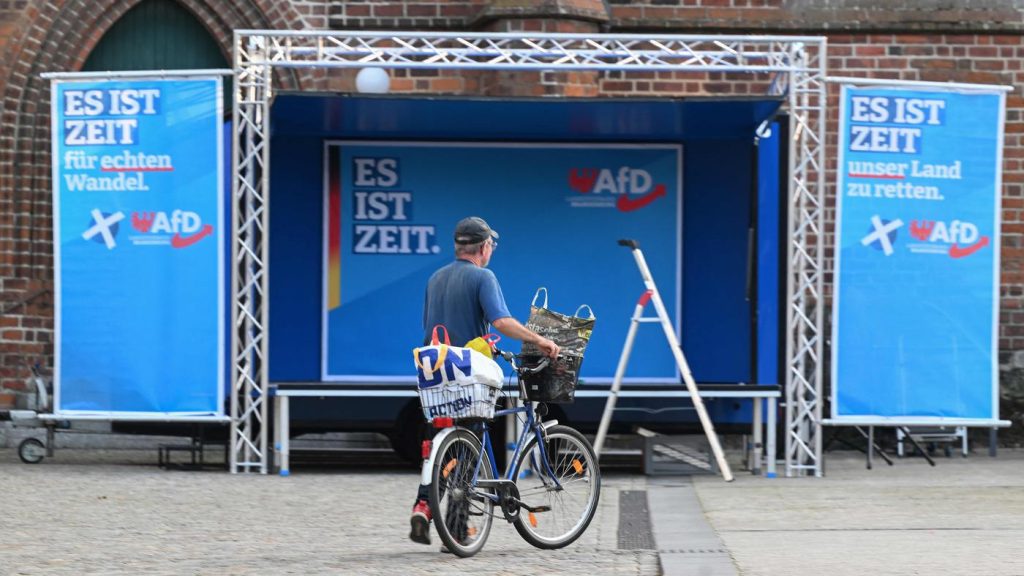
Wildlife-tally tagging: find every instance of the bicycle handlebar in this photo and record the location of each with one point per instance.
(511, 359)
(543, 364)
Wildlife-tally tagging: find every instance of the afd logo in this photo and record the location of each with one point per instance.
(632, 188)
(179, 228)
(431, 372)
(962, 238)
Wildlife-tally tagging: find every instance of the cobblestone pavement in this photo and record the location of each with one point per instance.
(965, 516)
(115, 512)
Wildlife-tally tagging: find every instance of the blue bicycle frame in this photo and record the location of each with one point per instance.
(529, 427)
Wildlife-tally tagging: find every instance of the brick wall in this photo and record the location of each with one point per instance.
(815, 16)
(988, 59)
(390, 15)
(959, 40)
(36, 37)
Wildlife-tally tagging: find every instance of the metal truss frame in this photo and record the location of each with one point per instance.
(795, 64)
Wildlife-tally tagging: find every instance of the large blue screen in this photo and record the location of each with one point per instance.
(560, 209)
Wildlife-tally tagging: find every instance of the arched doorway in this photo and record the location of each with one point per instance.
(158, 35)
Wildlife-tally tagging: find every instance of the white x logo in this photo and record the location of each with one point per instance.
(881, 233)
(102, 226)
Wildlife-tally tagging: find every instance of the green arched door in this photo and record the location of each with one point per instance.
(158, 35)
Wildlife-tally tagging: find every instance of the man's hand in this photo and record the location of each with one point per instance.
(513, 329)
(549, 348)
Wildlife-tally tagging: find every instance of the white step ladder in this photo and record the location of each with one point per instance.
(652, 295)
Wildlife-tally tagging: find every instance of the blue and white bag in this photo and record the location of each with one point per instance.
(456, 382)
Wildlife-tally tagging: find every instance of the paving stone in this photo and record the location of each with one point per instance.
(115, 512)
(963, 516)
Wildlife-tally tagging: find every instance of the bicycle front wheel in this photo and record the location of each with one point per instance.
(561, 481)
(462, 512)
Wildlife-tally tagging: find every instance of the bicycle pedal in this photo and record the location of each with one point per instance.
(535, 509)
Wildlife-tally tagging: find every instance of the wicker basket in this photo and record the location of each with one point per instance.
(459, 401)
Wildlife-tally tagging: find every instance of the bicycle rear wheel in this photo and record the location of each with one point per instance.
(566, 490)
(462, 512)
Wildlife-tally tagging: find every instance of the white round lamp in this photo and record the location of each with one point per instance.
(373, 81)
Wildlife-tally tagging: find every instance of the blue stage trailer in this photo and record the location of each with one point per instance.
(716, 238)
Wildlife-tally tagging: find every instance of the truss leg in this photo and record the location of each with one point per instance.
(805, 259)
(249, 261)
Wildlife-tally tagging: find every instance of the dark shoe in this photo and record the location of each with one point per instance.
(420, 523)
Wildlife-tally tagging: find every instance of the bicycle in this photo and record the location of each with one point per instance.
(537, 493)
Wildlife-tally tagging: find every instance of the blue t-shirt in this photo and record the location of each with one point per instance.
(465, 298)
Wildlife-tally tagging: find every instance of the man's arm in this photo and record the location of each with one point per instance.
(511, 327)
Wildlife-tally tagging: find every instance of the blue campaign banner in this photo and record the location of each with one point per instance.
(138, 237)
(390, 214)
(916, 303)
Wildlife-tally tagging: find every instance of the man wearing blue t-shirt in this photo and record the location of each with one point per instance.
(464, 297)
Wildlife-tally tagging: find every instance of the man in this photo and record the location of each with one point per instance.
(464, 297)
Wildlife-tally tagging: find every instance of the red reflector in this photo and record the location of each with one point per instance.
(426, 448)
(443, 422)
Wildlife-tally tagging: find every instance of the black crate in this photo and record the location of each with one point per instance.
(556, 383)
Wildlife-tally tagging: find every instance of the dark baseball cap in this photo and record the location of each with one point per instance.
(473, 230)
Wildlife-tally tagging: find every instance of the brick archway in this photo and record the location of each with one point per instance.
(59, 36)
